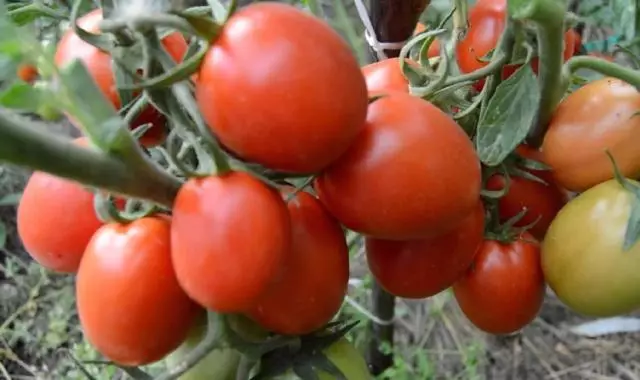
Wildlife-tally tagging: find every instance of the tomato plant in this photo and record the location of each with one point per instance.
(434, 48)
(130, 304)
(313, 286)
(385, 186)
(504, 288)
(230, 237)
(300, 124)
(345, 357)
(541, 200)
(220, 364)
(597, 117)
(582, 256)
(487, 20)
(423, 268)
(98, 63)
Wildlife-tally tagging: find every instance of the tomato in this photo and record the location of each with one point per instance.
(219, 364)
(423, 268)
(344, 356)
(486, 23)
(412, 173)
(503, 290)
(230, 238)
(542, 201)
(434, 48)
(27, 73)
(577, 40)
(597, 117)
(130, 305)
(295, 109)
(384, 76)
(313, 287)
(582, 256)
(98, 63)
(56, 220)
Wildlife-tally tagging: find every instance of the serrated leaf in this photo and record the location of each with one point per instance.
(20, 95)
(509, 116)
(10, 199)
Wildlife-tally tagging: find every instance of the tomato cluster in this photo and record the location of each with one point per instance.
(385, 164)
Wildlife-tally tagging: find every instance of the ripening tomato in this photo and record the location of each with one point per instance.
(577, 41)
(542, 201)
(27, 73)
(423, 268)
(130, 305)
(220, 364)
(487, 20)
(98, 63)
(56, 219)
(582, 255)
(314, 284)
(503, 290)
(385, 76)
(230, 238)
(600, 116)
(411, 174)
(295, 109)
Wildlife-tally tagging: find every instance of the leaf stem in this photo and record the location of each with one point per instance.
(549, 17)
(22, 144)
(601, 66)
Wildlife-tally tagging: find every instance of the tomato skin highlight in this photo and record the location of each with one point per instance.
(582, 255)
(230, 237)
(241, 99)
(504, 289)
(311, 290)
(98, 63)
(411, 174)
(130, 305)
(487, 20)
(597, 117)
(423, 268)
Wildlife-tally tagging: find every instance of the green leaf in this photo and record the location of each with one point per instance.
(20, 95)
(509, 115)
(627, 20)
(10, 199)
(3, 235)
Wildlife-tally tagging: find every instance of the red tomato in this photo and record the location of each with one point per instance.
(599, 116)
(385, 76)
(295, 109)
(423, 268)
(314, 284)
(577, 40)
(411, 174)
(486, 22)
(27, 73)
(130, 305)
(56, 220)
(98, 63)
(503, 290)
(542, 201)
(230, 238)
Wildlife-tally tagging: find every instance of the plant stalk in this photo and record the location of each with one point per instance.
(22, 144)
(549, 17)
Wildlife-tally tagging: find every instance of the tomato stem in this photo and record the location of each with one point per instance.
(601, 66)
(549, 17)
(23, 144)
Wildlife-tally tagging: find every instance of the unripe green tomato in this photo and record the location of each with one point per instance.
(218, 365)
(346, 357)
(582, 256)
